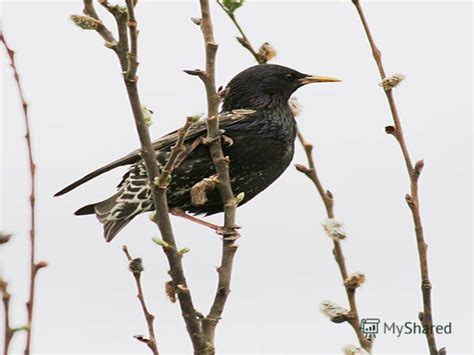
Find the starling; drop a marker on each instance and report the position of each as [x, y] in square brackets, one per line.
[260, 146]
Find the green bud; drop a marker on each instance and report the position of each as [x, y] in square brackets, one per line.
[240, 197]
[161, 242]
[152, 216]
[232, 5]
[184, 251]
[196, 117]
[147, 116]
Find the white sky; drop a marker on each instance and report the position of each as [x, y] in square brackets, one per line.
[284, 267]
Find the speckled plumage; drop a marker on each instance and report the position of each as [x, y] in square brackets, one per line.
[262, 148]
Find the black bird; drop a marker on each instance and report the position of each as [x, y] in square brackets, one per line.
[260, 146]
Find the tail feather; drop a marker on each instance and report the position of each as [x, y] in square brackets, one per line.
[110, 213]
[112, 228]
[89, 209]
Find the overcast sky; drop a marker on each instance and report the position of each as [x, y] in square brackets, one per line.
[284, 267]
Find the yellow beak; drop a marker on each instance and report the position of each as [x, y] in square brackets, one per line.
[317, 79]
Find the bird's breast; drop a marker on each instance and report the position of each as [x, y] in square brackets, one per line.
[264, 145]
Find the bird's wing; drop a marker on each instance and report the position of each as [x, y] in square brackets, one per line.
[198, 128]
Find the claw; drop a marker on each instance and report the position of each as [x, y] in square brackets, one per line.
[227, 140]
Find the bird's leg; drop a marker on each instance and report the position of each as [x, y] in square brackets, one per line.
[180, 213]
[218, 229]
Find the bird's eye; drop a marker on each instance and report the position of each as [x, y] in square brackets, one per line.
[289, 77]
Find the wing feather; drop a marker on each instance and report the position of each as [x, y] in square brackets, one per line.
[198, 128]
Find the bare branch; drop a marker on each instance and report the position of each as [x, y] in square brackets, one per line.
[426, 317]
[328, 201]
[126, 51]
[8, 335]
[34, 266]
[136, 269]
[221, 164]
[265, 53]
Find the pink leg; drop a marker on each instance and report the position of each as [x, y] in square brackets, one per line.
[218, 229]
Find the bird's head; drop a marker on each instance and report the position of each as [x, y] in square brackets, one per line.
[264, 85]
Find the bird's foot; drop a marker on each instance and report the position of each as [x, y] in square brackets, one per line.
[226, 140]
[227, 233]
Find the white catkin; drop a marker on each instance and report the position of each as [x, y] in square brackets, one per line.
[334, 228]
[353, 350]
[392, 81]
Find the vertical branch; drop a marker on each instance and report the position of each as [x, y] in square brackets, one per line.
[136, 268]
[414, 171]
[34, 266]
[8, 335]
[353, 319]
[327, 198]
[221, 165]
[9, 332]
[126, 50]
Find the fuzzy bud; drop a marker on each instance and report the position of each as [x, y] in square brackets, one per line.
[136, 265]
[199, 190]
[334, 229]
[353, 350]
[266, 52]
[169, 290]
[85, 22]
[355, 280]
[335, 313]
[392, 81]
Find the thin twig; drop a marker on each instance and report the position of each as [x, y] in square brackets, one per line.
[328, 201]
[221, 165]
[136, 269]
[6, 316]
[414, 171]
[34, 266]
[244, 41]
[176, 152]
[326, 197]
[129, 63]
